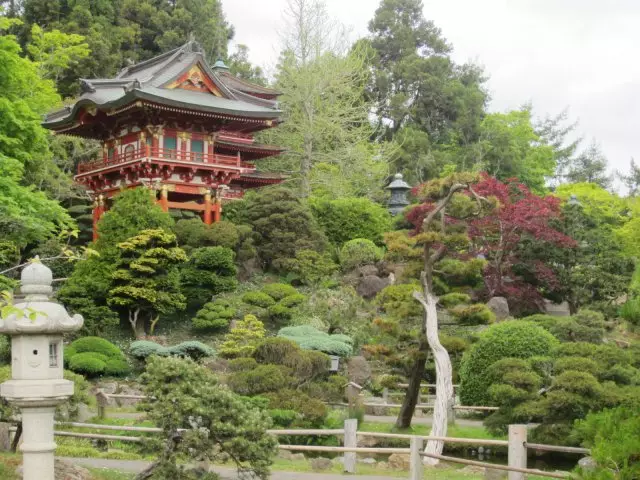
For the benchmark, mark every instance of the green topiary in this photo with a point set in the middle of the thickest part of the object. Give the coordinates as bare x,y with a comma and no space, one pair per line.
192,349
214,316
117,367
262,379
398,302
311,267
580,364
141,349
310,338
278,291
453,299
477,314
293,300
88,363
344,219
278,313
358,252
311,411
97,345
259,299
242,364
515,339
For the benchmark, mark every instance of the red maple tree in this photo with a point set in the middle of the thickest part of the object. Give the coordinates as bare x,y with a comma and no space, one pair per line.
499,236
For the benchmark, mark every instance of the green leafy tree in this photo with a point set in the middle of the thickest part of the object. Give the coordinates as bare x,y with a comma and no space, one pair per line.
327,130
146,282
344,219
510,147
282,225
209,271
560,136
54,51
428,104
241,66
202,420
590,166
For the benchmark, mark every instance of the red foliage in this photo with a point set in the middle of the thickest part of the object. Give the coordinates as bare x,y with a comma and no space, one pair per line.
497,236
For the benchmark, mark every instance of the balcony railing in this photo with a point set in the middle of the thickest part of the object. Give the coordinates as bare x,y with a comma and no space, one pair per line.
164,154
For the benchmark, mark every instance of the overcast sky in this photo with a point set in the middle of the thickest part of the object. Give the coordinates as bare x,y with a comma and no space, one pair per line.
580,54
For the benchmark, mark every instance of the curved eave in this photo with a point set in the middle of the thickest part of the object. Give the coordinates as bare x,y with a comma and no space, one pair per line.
134,95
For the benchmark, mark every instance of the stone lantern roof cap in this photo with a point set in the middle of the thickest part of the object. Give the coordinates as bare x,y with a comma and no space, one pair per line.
37,313
398,183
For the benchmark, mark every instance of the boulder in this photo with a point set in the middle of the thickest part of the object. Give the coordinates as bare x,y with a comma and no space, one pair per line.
358,370
368,461
65,470
368,270
500,307
129,390
108,387
587,464
298,456
382,466
367,441
369,286
399,461
320,464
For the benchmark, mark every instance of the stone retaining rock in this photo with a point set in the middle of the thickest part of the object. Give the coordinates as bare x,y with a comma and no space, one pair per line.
320,464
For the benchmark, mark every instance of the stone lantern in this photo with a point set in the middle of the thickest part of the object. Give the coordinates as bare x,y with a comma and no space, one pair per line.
398,188
37,385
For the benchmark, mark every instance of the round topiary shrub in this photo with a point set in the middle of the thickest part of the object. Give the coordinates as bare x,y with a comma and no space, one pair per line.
278,291
192,349
262,379
97,345
91,355
358,252
88,363
214,316
117,367
515,339
259,299
293,300
310,338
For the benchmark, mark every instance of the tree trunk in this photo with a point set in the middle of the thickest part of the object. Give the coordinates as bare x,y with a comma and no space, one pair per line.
136,324
412,396
305,167
444,374
16,438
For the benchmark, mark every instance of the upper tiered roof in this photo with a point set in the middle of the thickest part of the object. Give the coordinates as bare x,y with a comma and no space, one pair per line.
179,79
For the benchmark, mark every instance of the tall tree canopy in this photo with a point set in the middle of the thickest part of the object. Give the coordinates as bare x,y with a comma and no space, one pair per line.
119,31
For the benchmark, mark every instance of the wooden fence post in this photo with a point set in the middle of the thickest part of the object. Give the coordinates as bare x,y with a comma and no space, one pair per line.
385,395
350,441
517,450
102,400
415,459
451,411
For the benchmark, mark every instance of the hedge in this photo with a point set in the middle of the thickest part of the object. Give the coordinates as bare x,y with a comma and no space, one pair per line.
94,356
88,363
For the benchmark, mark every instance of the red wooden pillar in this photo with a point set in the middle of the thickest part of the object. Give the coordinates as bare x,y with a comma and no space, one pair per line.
98,210
207,208
155,144
164,198
217,211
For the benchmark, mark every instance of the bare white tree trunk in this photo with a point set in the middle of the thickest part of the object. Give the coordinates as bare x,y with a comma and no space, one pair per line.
444,374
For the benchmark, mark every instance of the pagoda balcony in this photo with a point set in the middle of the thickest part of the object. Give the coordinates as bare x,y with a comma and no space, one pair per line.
165,155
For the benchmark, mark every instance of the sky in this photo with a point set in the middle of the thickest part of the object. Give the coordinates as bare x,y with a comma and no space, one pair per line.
555,54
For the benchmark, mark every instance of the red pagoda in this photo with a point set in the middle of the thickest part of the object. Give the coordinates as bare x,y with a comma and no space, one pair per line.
176,125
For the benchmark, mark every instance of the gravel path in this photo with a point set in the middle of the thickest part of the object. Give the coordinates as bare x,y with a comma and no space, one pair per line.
135,466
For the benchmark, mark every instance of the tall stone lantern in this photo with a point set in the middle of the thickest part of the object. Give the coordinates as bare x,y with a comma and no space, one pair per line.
398,200
37,385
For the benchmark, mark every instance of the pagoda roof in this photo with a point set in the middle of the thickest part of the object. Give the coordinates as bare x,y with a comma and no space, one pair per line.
181,79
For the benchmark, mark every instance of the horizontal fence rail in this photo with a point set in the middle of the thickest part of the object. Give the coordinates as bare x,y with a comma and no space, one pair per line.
517,446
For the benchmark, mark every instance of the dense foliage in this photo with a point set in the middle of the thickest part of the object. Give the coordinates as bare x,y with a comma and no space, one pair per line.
95,356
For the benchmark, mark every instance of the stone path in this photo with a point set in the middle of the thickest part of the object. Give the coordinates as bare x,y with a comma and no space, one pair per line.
135,466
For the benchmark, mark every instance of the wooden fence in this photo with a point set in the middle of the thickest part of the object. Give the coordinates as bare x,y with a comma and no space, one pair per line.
516,444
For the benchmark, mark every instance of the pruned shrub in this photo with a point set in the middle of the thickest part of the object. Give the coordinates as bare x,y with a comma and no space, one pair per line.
88,363
278,291
311,267
293,300
242,340
453,299
141,349
259,299
580,364
516,339
95,356
358,252
192,349
310,338
476,314
312,412
241,364
214,316
398,302
262,379
282,417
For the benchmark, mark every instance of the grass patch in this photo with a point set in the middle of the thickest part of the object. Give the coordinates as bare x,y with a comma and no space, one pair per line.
107,474
453,430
